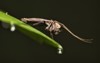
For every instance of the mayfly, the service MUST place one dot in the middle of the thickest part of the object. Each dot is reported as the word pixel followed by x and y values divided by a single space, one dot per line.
pixel 53 26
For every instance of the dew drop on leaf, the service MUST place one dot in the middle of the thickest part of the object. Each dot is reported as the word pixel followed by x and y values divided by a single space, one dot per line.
pixel 12 27
pixel 59 51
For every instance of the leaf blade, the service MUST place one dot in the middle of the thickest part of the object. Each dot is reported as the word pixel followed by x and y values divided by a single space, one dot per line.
pixel 28 30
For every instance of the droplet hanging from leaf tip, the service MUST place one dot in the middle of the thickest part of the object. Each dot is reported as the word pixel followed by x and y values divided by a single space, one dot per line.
pixel 59 51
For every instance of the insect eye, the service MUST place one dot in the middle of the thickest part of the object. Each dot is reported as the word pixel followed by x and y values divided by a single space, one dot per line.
pixel 57 25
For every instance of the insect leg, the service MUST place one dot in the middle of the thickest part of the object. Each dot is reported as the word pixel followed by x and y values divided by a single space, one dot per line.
pixel 84 40
pixel 36 23
pixel 51 35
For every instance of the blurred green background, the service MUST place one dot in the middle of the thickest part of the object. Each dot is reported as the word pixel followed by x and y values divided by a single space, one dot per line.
pixel 78 15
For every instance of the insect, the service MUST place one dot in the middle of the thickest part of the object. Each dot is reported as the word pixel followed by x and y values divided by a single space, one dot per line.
pixel 53 26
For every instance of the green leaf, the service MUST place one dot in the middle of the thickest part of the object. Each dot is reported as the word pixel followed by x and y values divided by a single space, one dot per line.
pixel 29 30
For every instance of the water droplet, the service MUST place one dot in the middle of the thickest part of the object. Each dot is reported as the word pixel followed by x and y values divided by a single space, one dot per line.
pixel 59 51
pixel 12 27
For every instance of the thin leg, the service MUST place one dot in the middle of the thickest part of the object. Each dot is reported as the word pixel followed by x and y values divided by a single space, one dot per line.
pixel 36 23
pixel 51 35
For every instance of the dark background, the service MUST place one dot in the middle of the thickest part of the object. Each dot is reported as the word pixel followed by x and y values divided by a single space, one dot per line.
pixel 78 15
